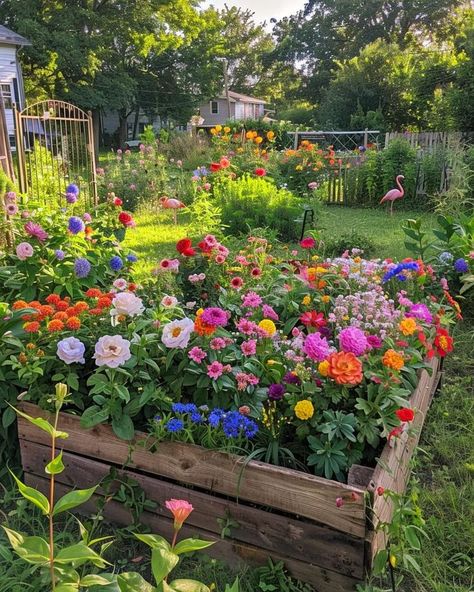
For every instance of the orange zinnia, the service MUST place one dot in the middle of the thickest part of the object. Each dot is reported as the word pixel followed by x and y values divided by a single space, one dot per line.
pixel 203 328
pixel 345 368
pixel 393 359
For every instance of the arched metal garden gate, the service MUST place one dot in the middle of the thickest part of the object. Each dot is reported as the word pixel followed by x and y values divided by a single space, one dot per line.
pixel 55 147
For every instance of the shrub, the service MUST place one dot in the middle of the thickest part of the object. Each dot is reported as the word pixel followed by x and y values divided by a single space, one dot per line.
pixel 251 202
pixel 334 247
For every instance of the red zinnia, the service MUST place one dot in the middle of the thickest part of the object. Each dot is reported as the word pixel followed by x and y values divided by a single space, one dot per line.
pixel 205 248
pixel 308 243
pixel 313 319
pixel 32 327
pixel 53 299
pixel 73 323
pixel 184 247
pixel 118 201
pixel 215 166
pixel 260 172
pixel 125 218
pixel 93 293
pixel 443 342
pixel 405 414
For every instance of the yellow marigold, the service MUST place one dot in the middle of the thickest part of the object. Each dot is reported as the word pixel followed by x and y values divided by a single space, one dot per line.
pixel 258 140
pixel 393 359
pixel 240 149
pixel 321 269
pixel 357 259
pixel 306 300
pixel 218 128
pixel 270 135
pixel 325 298
pixel 199 312
pixel 315 257
pixel 408 326
pixel 298 167
pixel 227 129
pixel 249 135
pixel 254 134
pixel 304 409
pixel 268 326
pixel 213 131
pixel 323 368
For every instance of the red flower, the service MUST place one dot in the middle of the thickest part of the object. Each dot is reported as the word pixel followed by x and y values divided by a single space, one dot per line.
pixel 308 243
pixel 118 201
pixel 260 172
pixel 205 248
pixel 405 414
pixel 215 166
pixel 313 319
pixel 53 299
pixel 380 490
pixel 93 293
pixel 184 247
pixel 224 162
pixel 443 342
pixel 125 218
pixel 395 433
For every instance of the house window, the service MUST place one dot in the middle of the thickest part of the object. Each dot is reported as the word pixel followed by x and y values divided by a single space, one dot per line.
pixel 7 95
pixel 214 107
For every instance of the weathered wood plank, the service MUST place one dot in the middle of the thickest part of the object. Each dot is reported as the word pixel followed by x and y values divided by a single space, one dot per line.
pixel 233 553
pixel 284 489
pixel 270 531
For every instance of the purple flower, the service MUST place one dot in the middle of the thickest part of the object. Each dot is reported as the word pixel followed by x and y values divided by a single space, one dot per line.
pixel 420 311
pixel 72 188
pixel 116 263
pixel 82 267
pixel 75 225
pixel 10 197
pixel 71 350
pixel 251 300
pixel 87 217
pixel 36 231
pixel 352 339
pixel 215 317
pixel 71 198
pixel 291 378
pixel 374 341
pixel 461 266
pixel 131 258
pixel 269 313
pixel 11 209
pixel 276 392
pixel 59 254
pixel 23 251
pixel 316 347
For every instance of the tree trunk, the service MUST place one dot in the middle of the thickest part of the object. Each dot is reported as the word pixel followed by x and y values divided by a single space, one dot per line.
pixel 135 123
pixel 122 132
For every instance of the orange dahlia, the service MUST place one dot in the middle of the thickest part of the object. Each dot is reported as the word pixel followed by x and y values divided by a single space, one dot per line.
pixel 393 359
pixel 345 368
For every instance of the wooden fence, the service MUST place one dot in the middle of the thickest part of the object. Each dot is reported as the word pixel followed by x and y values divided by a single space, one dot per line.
pixel 429 141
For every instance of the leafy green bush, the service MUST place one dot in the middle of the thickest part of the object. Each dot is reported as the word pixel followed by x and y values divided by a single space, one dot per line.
pixel 254 202
pixel 350 240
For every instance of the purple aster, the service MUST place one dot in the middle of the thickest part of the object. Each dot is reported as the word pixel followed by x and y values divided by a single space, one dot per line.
pixel 82 267
pixel 461 266
pixel 352 339
pixel 36 231
pixel 116 263
pixel 316 347
pixel 420 311
pixel 276 392
pixel 214 316
pixel 75 225
pixel 59 254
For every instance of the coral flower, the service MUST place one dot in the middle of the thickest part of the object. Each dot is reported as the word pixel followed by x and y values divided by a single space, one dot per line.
pixel 180 510
pixel 215 166
pixel 393 359
pixel 32 327
pixel 55 325
pixel 345 368
pixel 313 319
pixel 184 247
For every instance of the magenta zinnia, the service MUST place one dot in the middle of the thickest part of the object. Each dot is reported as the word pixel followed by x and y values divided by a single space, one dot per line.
pixel 214 316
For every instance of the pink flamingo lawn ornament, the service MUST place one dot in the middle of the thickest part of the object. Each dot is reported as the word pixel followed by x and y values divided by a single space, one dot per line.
pixel 394 194
pixel 169 203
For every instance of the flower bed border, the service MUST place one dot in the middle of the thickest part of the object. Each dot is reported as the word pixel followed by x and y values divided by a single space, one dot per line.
pixel 321 544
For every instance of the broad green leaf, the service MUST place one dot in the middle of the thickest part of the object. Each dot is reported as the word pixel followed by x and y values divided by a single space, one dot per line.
pixel 186 586
pixel 32 549
pixel 412 538
pixel 8 417
pixel 123 427
pixel 153 541
pixel 162 563
pixel 234 588
pixel 77 555
pixel 67 587
pixel 56 466
pixel 133 582
pixel 94 580
pixel 43 424
pixel 380 562
pixel 32 495
pixel 190 545
pixel 93 416
pixel 73 499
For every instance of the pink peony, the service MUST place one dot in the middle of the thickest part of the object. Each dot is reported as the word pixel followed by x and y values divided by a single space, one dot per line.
pixel 126 303
pixel 112 351
pixel 316 347
pixel 353 339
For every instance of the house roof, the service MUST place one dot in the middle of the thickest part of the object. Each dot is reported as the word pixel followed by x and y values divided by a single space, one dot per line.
pixel 240 98
pixel 9 37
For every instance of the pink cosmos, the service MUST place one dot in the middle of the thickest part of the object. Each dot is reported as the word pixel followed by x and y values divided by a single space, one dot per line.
pixel 249 347
pixel 251 300
pixel 196 354
pixel 269 313
pixel 169 301
pixel 36 231
pixel 218 343
pixel 215 370
pixel 223 250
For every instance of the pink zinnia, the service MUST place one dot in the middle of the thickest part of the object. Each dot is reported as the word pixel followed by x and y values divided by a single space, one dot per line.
pixel 196 354
pixel 214 316
pixel 36 231
pixel 353 340
pixel 249 347
pixel 251 299
pixel 218 343
pixel 316 347
pixel 269 313
pixel 308 243
pixel 215 370
pixel 247 327
pixel 180 510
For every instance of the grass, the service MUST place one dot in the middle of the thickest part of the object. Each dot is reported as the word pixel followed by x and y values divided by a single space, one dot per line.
pixel 444 467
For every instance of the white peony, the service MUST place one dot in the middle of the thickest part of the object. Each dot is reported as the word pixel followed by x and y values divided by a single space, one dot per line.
pixel 177 333
pixel 112 351
pixel 126 303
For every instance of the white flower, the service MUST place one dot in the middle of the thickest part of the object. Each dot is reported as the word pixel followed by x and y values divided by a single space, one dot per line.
pixel 120 284
pixel 126 303
pixel 71 350
pixel 169 301
pixel 177 333
pixel 112 351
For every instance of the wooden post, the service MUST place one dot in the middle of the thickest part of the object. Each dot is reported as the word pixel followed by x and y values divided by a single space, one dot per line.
pixel 90 147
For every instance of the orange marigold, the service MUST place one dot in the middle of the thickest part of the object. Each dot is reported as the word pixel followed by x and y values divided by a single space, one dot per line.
pixel 34 304
pixel 104 302
pixel 345 368
pixel 81 306
pixel 53 299
pixel 73 323
pixel 203 328
pixel 19 305
pixel 408 326
pixel 393 359
pixel 32 327
pixel 55 325
pixel 71 311
pixel 62 305
pixel 60 315
pixel 46 310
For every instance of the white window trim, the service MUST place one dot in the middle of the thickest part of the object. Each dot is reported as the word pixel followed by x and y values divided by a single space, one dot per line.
pixel 210 107
pixel 8 95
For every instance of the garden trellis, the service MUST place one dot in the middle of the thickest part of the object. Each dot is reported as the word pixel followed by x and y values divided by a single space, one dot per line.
pixel 55 143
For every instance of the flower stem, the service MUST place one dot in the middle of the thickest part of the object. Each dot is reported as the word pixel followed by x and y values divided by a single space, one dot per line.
pixel 51 504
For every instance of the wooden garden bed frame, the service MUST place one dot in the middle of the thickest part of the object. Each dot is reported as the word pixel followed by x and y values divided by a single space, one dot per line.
pixel 281 513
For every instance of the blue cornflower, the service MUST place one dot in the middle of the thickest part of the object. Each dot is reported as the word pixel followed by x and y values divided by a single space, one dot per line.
pixel 59 254
pixel 446 257
pixel 72 188
pixel 196 417
pixel 76 225
pixel 174 425
pixel 157 418
pixel 132 258
pixel 82 267
pixel 116 263
pixel 461 266
pixel 395 271
pixel 184 408
pixel 234 425
pixel 250 429
pixel 215 417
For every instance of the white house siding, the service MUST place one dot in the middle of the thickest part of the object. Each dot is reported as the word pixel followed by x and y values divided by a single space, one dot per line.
pixel 10 74
pixel 216 118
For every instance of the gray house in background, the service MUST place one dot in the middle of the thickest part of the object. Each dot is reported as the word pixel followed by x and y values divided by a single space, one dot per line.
pixel 11 80
pixel 242 107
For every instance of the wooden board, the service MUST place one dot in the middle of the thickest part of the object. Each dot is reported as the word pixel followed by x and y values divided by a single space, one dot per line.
pixel 283 535
pixel 275 487
pixel 231 552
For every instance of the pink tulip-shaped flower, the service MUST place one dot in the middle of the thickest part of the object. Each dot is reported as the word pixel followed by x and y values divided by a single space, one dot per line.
pixel 180 510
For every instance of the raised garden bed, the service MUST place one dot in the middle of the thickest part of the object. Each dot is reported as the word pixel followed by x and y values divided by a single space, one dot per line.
pixel 281 513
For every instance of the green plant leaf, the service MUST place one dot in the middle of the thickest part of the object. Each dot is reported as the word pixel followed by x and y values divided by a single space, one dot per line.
pixel 234 588
pixel 32 495
pixel 123 427
pixel 67 587
pixel 380 562
pixel 56 466
pixel 43 424
pixel 154 541
pixel 133 582
pixel 190 545
pixel 185 586
pixel 162 563
pixel 77 555
pixel 94 580
pixel 73 499
pixel 32 549
pixel 412 537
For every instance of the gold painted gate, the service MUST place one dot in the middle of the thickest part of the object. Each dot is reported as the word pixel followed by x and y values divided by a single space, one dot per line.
pixel 55 147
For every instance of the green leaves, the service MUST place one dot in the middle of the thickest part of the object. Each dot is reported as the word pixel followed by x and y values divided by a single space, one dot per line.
pixel 162 563
pixel 153 540
pixel 185 586
pixel 32 549
pixel 72 500
pixel 79 554
pixel 133 582
pixel 43 424
pixel 190 545
pixel 56 466
pixel 35 497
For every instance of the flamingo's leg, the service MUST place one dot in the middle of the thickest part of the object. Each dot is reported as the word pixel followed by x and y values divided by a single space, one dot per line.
pixel 391 208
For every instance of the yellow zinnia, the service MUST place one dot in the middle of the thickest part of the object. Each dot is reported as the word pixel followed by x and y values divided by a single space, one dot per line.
pixel 268 326
pixel 306 300
pixel 226 129
pixel 408 326
pixel 323 368
pixel 304 409
pixel 270 135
